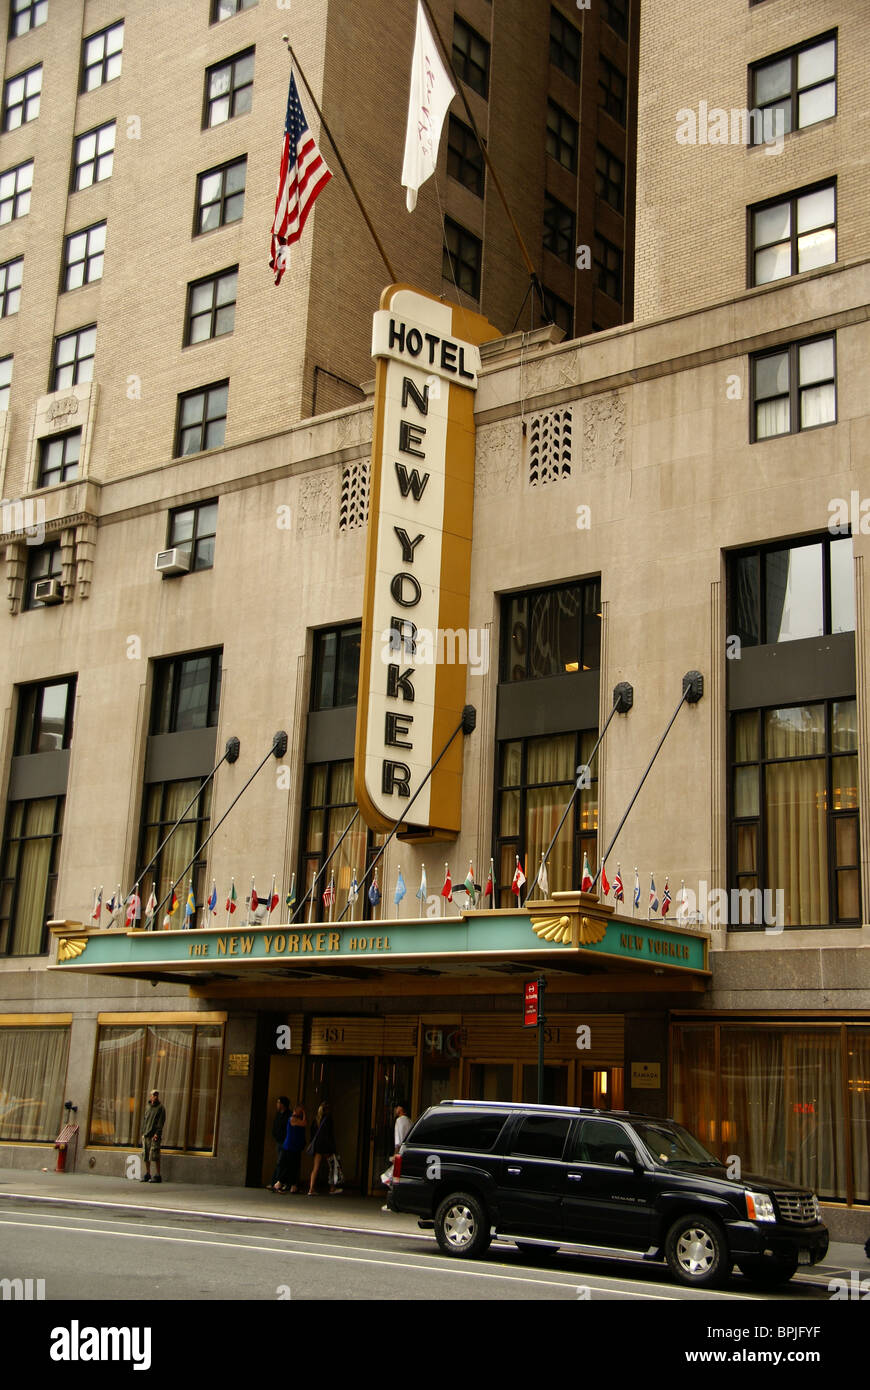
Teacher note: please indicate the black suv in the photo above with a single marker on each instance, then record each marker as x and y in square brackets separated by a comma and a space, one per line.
[558, 1175]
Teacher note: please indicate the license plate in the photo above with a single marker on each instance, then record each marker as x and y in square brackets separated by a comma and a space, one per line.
[804, 1257]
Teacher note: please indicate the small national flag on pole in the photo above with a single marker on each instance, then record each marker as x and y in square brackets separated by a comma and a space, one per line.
[618, 890]
[114, 902]
[653, 896]
[683, 905]
[447, 890]
[273, 898]
[636, 888]
[212, 898]
[401, 890]
[329, 892]
[489, 890]
[189, 907]
[469, 884]
[422, 891]
[232, 898]
[98, 904]
[353, 890]
[303, 175]
[666, 898]
[605, 886]
[134, 907]
[255, 901]
[432, 90]
[519, 879]
[586, 880]
[290, 900]
[374, 891]
[150, 909]
[544, 879]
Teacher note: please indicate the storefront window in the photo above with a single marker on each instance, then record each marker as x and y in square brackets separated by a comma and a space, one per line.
[182, 1061]
[32, 1074]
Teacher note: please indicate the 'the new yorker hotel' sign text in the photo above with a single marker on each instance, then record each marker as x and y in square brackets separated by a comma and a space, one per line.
[412, 689]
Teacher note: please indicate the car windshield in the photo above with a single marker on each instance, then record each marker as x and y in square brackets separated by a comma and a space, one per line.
[671, 1144]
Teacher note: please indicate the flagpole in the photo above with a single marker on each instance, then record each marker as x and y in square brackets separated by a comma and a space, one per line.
[291, 895]
[492, 881]
[343, 166]
[271, 896]
[533, 274]
[311, 902]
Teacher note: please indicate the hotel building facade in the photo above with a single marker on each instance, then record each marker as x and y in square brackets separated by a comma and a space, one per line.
[682, 495]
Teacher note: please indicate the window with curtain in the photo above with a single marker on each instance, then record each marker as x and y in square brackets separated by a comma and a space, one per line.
[33, 1063]
[28, 874]
[329, 807]
[536, 777]
[778, 1101]
[164, 803]
[182, 1061]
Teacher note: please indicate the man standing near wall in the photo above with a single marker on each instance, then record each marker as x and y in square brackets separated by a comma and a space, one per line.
[152, 1133]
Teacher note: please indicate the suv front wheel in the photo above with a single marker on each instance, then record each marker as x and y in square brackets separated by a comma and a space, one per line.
[461, 1225]
[697, 1252]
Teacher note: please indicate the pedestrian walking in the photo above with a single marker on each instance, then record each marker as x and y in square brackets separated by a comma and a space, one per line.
[152, 1134]
[400, 1129]
[322, 1145]
[294, 1143]
[279, 1133]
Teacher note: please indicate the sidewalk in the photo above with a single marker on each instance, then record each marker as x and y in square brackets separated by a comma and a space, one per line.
[344, 1210]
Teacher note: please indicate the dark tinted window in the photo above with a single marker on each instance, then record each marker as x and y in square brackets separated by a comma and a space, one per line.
[457, 1129]
[541, 1136]
[600, 1141]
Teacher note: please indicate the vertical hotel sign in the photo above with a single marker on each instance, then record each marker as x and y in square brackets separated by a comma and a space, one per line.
[413, 656]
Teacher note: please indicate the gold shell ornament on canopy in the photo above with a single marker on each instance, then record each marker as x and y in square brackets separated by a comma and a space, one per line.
[68, 947]
[552, 928]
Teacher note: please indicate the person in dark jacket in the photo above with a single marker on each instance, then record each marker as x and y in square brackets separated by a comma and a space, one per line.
[294, 1143]
[152, 1134]
[279, 1134]
[322, 1145]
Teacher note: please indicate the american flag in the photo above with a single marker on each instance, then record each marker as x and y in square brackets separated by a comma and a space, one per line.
[299, 182]
[329, 893]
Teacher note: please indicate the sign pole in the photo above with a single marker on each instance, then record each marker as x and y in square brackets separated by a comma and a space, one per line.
[542, 985]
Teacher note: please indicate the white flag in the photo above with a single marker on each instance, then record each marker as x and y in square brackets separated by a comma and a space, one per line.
[432, 91]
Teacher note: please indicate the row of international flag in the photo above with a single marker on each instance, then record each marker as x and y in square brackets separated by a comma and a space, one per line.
[304, 173]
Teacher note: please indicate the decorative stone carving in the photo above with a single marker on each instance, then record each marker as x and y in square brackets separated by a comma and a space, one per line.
[496, 458]
[61, 411]
[354, 509]
[550, 440]
[603, 432]
[315, 505]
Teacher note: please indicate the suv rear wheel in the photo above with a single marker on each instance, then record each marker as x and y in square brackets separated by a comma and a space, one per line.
[697, 1252]
[461, 1225]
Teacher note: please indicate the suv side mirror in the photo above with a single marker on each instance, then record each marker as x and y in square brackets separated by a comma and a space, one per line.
[627, 1160]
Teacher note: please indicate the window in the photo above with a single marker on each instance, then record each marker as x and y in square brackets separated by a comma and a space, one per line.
[101, 57]
[562, 137]
[794, 388]
[336, 667]
[25, 15]
[225, 9]
[74, 358]
[164, 803]
[43, 562]
[83, 256]
[33, 1065]
[611, 90]
[195, 527]
[28, 876]
[470, 56]
[782, 593]
[560, 311]
[59, 458]
[540, 1136]
[94, 156]
[220, 196]
[458, 1129]
[187, 692]
[609, 178]
[15, 187]
[564, 45]
[202, 419]
[464, 158]
[181, 1060]
[793, 235]
[211, 307]
[45, 717]
[550, 632]
[462, 258]
[615, 13]
[607, 266]
[21, 96]
[536, 779]
[229, 88]
[559, 229]
[5, 381]
[795, 89]
[794, 814]
[328, 809]
[10, 286]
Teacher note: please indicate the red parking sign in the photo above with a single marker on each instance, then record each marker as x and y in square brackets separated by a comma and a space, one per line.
[530, 1004]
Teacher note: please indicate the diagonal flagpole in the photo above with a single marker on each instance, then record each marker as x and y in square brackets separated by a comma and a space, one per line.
[296, 63]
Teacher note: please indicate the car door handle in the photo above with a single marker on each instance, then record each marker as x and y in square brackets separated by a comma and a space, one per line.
[515, 1172]
[575, 1177]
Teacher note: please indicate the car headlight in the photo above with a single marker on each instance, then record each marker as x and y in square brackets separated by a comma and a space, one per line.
[759, 1207]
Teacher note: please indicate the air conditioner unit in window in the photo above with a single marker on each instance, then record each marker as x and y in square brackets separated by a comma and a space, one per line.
[47, 591]
[175, 561]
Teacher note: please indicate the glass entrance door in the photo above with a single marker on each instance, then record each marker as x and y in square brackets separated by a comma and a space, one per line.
[394, 1078]
[346, 1083]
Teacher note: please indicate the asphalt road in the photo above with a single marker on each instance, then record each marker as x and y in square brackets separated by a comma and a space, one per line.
[136, 1255]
